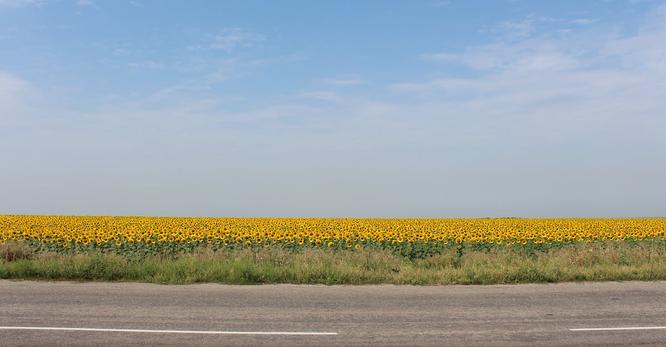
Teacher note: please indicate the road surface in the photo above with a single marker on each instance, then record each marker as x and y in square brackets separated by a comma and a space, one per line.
[111, 314]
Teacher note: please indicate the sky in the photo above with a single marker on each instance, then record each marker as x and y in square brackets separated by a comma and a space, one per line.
[333, 108]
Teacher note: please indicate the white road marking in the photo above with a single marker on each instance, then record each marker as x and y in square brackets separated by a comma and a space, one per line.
[618, 328]
[208, 332]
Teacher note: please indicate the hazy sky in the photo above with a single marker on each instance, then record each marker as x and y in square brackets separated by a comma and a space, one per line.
[336, 108]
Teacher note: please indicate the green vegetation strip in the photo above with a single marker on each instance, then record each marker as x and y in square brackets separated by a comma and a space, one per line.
[459, 264]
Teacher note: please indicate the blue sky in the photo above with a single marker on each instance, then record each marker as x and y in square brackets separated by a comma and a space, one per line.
[345, 108]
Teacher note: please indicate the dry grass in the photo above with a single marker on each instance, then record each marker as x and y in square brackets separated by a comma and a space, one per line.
[601, 261]
[16, 250]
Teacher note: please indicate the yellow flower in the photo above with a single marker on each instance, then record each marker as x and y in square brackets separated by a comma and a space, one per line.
[63, 230]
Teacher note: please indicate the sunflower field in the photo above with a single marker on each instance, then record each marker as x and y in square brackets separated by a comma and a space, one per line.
[410, 237]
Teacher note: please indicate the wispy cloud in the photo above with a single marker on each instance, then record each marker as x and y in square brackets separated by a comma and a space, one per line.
[577, 119]
[14, 96]
[321, 95]
[440, 3]
[560, 88]
[230, 39]
[21, 3]
[10, 84]
[519, 45]
[343, 82]
[518, 29]
[147, 65]
[39, 3]
[585, 21]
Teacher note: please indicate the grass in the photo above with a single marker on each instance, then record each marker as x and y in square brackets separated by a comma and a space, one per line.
[597, 261]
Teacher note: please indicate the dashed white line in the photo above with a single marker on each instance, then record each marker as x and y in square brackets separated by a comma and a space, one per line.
[618, 328]
[207, 332]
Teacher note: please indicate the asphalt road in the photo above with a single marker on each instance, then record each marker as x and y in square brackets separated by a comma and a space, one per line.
[209, 314]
